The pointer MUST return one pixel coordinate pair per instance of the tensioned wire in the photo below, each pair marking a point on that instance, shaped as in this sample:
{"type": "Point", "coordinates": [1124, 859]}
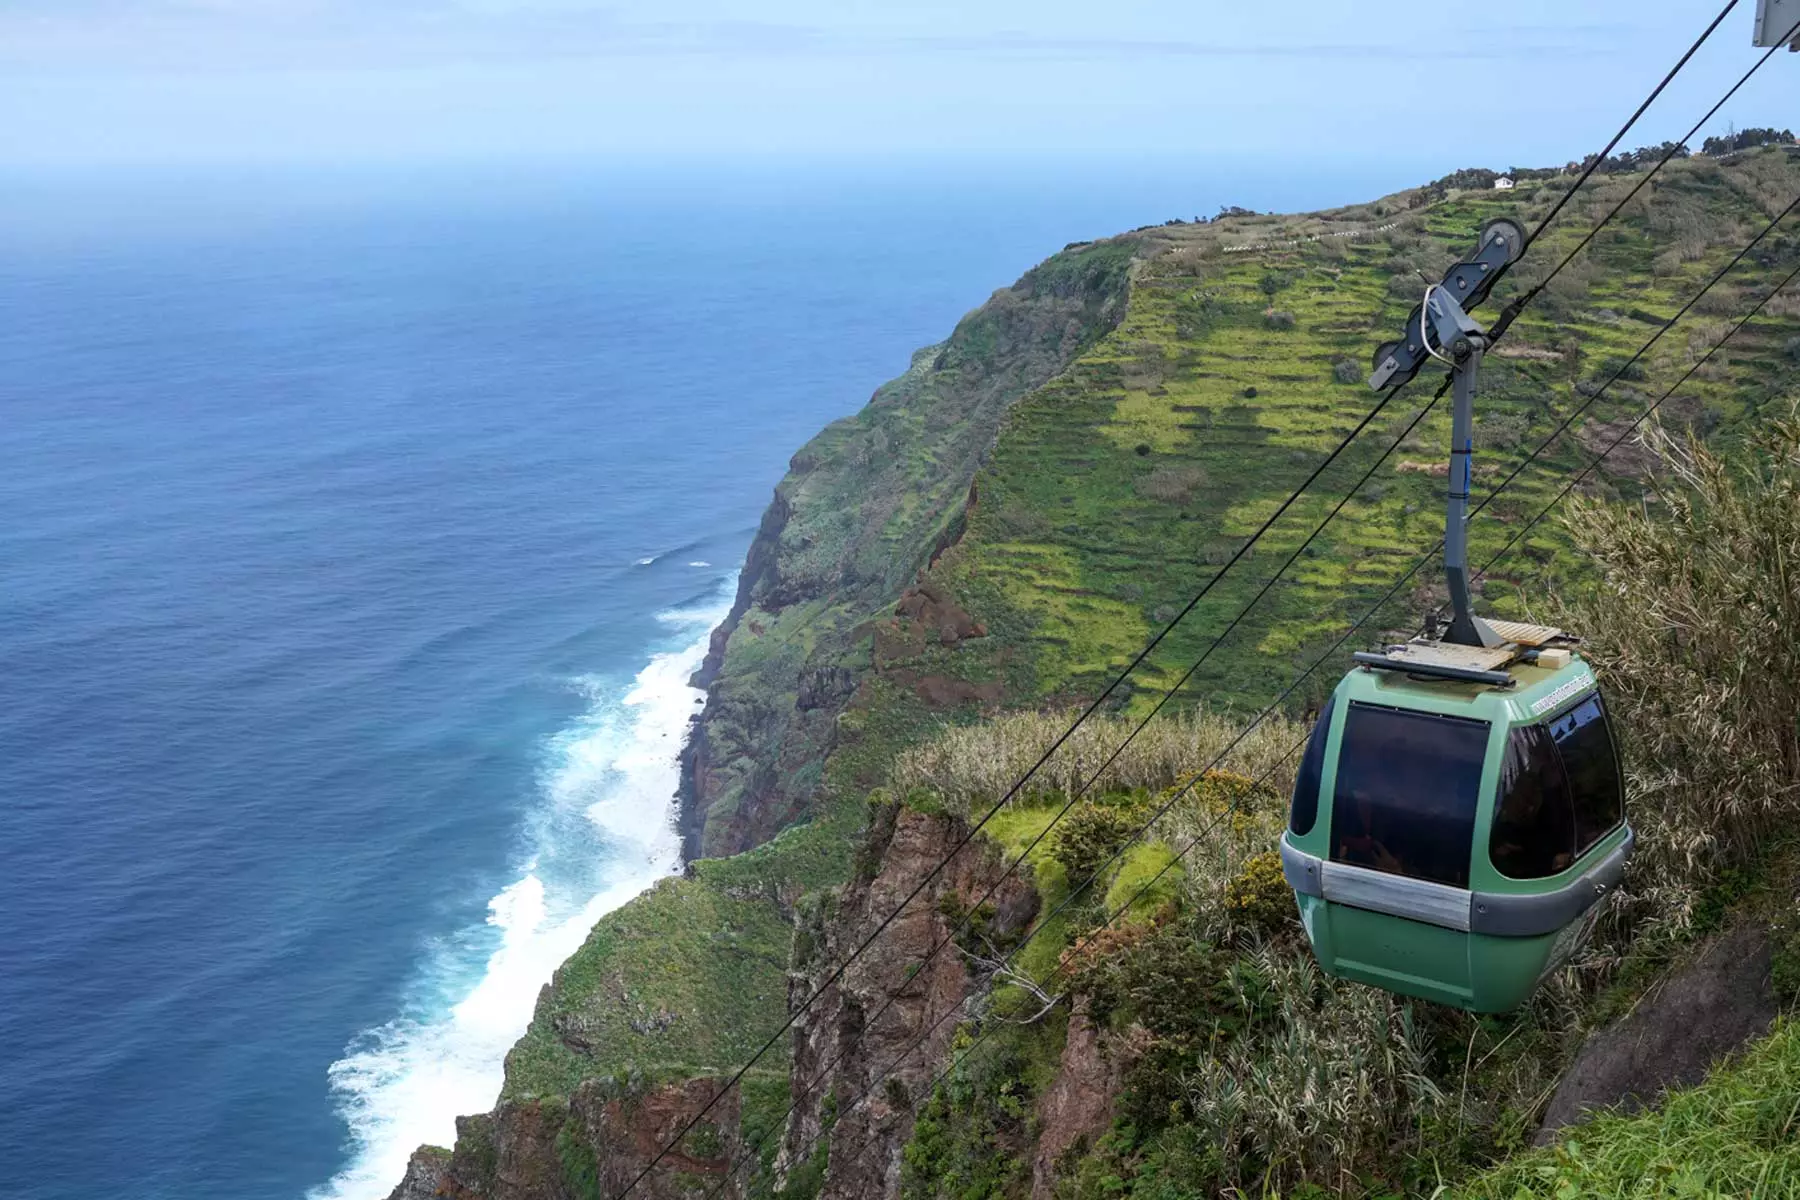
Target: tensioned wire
{"type": "Point", "coordinates": [881, 927]}
{"type": "Point", "coordinates": [1511, 312]}
{"type": "Point", "coordinates": [1194, 841]}
{"type": "Point", "coordinates": [1076, 795]}
{"type": "Point", "coordinates": [1638, 421]}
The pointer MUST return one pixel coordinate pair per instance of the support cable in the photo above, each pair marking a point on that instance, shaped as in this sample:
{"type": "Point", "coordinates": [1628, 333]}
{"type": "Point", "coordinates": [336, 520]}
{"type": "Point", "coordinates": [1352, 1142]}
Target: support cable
{"type": "Point", "coordinates": [1262, 716]}
{"type": "Point", "coordinates": [882, 926]}
{"type": "Point", "coordinates": [1076, 795]}
{"type": "Point", "coordinates": [1078, 792]}
{"type": "Point", "coordinates": [1638, 421]}
{"type": "Point", "coordinates": [1511, 312]}
{"type": "Point", "coordinates": [893, 1064]}
{"type": "Point", "coordinates": [1599, 158]}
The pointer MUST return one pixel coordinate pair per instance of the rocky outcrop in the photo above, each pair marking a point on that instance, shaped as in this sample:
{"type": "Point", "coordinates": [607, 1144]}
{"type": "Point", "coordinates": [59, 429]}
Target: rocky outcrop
{"type": "Point", "coordinates": [860, 1063]}
{"type": "Point", "coordinates": [864, 507]}
{"type": "Point", "coordinates": [596, 1144]}
{"type": "Point", "coordinates": [1712, 1006]}
{"type": "Point", "coordinates": [427, 1175]}
{"type": "Point", "coordinates": [1078, 1107]}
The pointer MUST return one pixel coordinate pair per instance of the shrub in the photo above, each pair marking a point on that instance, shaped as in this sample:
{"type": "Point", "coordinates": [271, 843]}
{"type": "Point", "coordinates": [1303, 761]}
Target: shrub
{"type": "Point", "coordinates": [1328, 1085]}
{"type": "Point", "coordinates": [1623, 368]}
{"type": "Point", "coordinates": [1259, 896]}
{"type": "Point", "coordinates": [1273, 282]}
{"type": "Point", "coordinates": [1346, 370]}
{"type": "Point", "coordinates": [1089, 836]}
{"type": "Point", "coordinates": [1278, 319]}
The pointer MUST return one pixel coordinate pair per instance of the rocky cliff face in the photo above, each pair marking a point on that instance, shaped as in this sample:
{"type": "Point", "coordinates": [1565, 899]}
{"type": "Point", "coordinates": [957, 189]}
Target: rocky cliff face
{"type": "Point", "coordinates": [845, 1089]}
{"type": "Point", "coordinates": [593, 1145]}
{"type": "Point", "coordinates": [860, 1062]}
{"type": "Point", "coordinates": [864, 506]}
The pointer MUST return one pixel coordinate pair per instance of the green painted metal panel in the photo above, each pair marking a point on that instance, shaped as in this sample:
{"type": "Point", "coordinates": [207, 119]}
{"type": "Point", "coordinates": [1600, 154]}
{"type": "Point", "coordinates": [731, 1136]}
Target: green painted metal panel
{"type": "Point", "coordinates": [1471, 971]}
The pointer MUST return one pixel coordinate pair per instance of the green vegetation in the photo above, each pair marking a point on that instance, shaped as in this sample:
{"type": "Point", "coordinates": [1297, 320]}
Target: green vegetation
{"type": "Point", "coordinates": [1695, 632]}
{"type": "Point", "coordinates": [671, 984]}
{"type": "Point", "coordinates": [1080, 547]}
{"type": "Point", "coordinates": [1247, 1071]}
{"type": "Point", "coordinates": [863, 508]}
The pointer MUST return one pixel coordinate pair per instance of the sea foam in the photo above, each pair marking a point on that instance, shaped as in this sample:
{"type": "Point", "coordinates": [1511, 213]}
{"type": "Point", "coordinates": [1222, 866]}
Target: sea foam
{"type": "Point", "coordinates": [602, 829]}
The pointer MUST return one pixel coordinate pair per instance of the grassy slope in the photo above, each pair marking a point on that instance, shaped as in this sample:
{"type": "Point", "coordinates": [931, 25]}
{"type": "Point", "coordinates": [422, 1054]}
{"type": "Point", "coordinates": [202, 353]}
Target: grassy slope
{"type": "Point", "coordinates": [687, 979]}
{"type": "Point", "coordinates": [1737, 1134]}
{"type": "Point", "coordinates": [864, 505]}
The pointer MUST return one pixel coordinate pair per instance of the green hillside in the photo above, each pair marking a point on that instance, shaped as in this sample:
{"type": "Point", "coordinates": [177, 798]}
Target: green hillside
{"type": "Point", "coordinates": [1003, 528]}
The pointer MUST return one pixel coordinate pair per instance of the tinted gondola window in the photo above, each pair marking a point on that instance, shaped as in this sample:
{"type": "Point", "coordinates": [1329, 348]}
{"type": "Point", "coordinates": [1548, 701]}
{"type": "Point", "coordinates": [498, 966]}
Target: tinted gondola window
{"type": "Point", "coordinates": [1305, 809]}
{"type": "Point", "coordinates": [1407, 785]}
{"type": "Point", "coordinates": [1534, 821]}
{"type": "Point", "coordinates": [1592, 764]}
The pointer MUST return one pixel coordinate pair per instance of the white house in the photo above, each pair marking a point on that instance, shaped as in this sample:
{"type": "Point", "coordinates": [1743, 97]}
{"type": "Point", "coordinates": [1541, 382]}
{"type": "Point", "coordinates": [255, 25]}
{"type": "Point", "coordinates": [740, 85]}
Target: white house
{"type": "Point", "coordinates": [1503, 184]}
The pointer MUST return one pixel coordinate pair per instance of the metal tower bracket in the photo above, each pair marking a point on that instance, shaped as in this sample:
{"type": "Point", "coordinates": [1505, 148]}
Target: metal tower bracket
{"type": "Point", "coordinates": [1500, 244]}
{"type": "Point", "coordinates": [1775, 23]}
{"type": "Point", "coordinates": [1441, 329]}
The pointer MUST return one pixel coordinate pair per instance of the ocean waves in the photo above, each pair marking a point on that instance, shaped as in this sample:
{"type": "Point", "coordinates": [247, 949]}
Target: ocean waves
{"type": "Point", "coordinates": [599, 830]}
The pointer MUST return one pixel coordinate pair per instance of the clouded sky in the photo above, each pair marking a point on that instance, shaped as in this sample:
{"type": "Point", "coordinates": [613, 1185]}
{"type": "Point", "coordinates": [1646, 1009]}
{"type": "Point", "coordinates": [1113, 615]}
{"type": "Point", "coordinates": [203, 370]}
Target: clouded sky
{"type": "Point", "coordinates": [1533, 81]}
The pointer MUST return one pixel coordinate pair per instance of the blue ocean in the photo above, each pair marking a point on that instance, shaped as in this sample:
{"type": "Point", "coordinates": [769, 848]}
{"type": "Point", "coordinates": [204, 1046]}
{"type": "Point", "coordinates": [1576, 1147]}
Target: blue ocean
{"type": "Point", "coordinates": [359, 530]}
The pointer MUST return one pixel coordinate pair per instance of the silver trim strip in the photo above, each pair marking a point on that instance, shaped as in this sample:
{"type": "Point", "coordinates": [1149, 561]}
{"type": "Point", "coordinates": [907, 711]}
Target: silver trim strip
{"type": "Point", "coordinates": [1527, 916]}
{"type": "Point", "coordinates": [1488, 913]}
{"type": "Point", "coordinates": [1397, 896]}
{"type": "Point", "coordinates": [1301, 869]}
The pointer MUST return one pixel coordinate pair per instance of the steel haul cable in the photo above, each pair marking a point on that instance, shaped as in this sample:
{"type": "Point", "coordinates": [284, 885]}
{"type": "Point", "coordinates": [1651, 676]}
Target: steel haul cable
{"type": "Point", "coordinates": [1077, 793]}
{"type": "Point", "coordinates": [975, 829]}
{"type": "Point", "coordinates": [1148, 825]}
{"type": "Point", "coordinates": [1094, 706]}
{"type": "Point", "coordinates": [1145, 888]}
{"type": "Point", "coordinates": [1511, 312]}
{"type": "Point", "coordinates": [1631, 428]}
{"type": "Point", "coordinates": [1610, 146]}
{"type": "Point", "coordinates": [884, 1072]}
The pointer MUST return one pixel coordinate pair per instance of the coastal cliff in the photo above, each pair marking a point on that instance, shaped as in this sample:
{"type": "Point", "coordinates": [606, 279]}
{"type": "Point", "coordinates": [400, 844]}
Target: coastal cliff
{"type": "Point", "coordinates": [865, 505]}
{"type": "Point", "coordinates": [998, 531]}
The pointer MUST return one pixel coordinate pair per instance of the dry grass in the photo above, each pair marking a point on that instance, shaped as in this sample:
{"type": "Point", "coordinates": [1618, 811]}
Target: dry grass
{"type": "Point", "coordinates": [1696, 636]}
{"type": "Point", "coordinates": [1172, 484]}
{"type": "Point", "coordinates": [966, 765]}
{"type": "Point", "coordinates": [1342, 1077]}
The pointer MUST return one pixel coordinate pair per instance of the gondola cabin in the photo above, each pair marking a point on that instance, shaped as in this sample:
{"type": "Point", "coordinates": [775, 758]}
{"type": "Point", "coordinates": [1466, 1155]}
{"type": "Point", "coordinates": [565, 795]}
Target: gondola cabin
{"type": "Point", "coordinates": [1458, 819]}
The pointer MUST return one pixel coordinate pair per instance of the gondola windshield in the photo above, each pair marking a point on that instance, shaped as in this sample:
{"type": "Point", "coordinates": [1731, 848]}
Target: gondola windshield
{"type": "Point", "coordinates": [1407, 787]}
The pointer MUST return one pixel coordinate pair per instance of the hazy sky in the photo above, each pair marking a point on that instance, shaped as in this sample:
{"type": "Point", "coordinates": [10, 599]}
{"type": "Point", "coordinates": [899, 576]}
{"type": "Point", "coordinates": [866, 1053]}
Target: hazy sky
{"type": "Point", "coordinates": [1533, 81]}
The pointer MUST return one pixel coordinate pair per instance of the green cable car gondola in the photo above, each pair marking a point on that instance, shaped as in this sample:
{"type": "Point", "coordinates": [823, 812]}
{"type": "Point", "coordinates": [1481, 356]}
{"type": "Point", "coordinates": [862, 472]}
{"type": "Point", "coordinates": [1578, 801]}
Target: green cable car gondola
{"type": "Point", "coordinates": [1452, 839]}
{"type": "Point", "coordinates": [1459, 812]}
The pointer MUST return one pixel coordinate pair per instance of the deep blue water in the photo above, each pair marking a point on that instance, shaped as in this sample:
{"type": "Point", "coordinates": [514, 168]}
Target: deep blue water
{"type": "Point", "coordinates": [357, 533]}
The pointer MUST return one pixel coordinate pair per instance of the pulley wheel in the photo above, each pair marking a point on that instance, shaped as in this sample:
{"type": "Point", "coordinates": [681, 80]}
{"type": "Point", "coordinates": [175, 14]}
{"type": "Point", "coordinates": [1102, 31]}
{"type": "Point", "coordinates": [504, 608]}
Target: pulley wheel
{"type": "Point", "coordinates": [1508, 229]}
